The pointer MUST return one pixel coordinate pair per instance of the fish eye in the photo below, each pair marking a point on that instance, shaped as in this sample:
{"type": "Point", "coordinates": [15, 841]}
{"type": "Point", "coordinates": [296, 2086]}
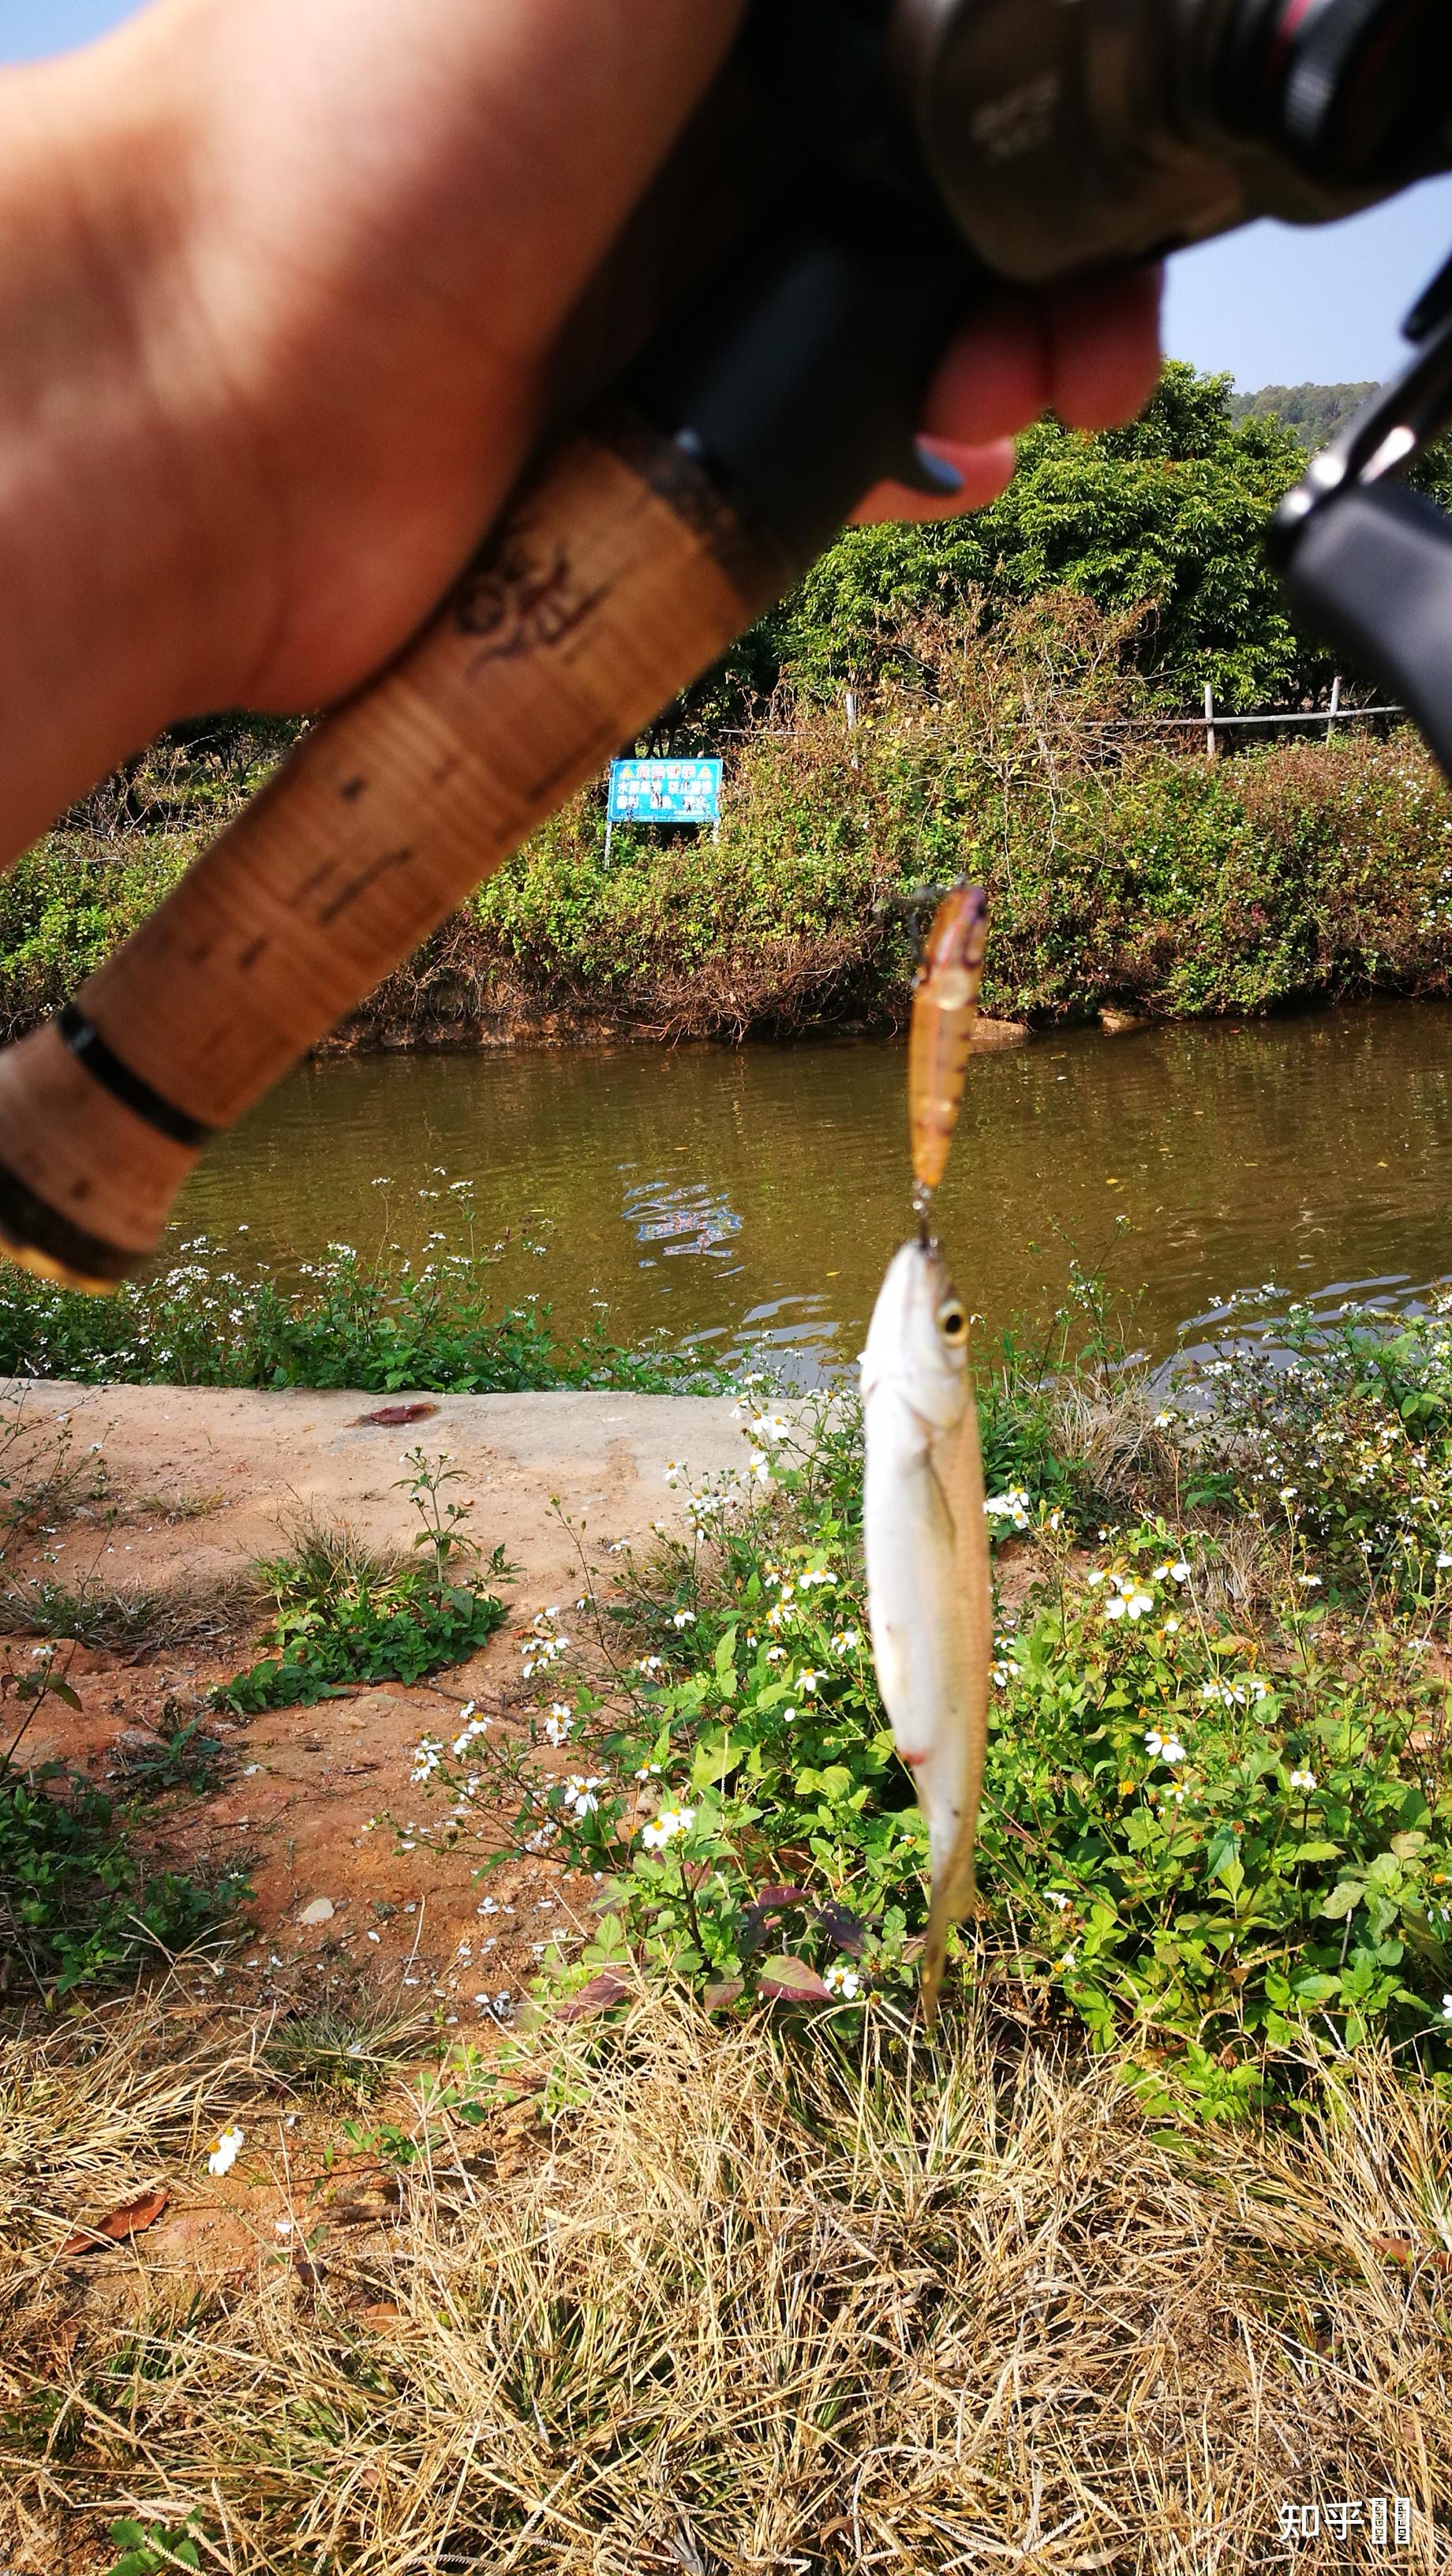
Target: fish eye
{"type": "Point", "coordinates": [953, 1321]}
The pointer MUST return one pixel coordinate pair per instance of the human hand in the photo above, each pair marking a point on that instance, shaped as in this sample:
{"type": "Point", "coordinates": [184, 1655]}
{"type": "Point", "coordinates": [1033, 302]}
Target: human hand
{"type": "Point", "coordinates": [303, 264]}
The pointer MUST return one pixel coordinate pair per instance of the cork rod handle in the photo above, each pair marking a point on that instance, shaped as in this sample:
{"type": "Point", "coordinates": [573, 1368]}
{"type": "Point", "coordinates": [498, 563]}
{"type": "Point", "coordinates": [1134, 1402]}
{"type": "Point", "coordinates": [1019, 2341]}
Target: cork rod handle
{"type": "Point", "coordinates": [617, 574]}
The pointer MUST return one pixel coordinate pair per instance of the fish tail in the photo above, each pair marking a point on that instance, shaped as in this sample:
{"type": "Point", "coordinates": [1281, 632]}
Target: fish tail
{"type": "Point", "coordinates": [954, 1897]}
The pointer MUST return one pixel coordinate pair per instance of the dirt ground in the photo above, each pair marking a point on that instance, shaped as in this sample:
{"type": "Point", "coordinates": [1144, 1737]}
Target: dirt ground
{"type": "Point", "coordinates": [196, 1484]}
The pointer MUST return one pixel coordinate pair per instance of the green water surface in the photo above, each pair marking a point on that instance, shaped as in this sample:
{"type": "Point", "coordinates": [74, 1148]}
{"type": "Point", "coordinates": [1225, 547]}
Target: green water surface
{"type": "Point", "coordinates": [755, 1195]}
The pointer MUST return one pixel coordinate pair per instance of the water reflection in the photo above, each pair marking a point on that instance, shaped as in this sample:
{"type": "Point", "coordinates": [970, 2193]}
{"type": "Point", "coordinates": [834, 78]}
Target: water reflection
{"type": "Point", "coordinates": [694, 1218]}
{"type": "Point", "coordinates": [754, 1196]}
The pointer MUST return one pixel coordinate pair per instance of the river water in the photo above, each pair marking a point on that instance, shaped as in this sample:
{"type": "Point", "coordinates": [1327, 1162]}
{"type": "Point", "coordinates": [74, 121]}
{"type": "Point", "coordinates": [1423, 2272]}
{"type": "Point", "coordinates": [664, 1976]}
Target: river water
{"type": "Point", "coordinates": [752, 1196]}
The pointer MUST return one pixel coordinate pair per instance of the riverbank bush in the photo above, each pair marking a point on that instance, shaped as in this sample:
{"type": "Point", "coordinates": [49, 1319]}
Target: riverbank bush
{"type": "Point", "coordinates": [1123, 871]}
{"type": "Point", "coordinates": [375, 1325]}
{"type": "Point", "coordinates": [73, 898]}
{"type": "Point", "coordinates": [1120, 873]}
{"type": "Point", "coordinates": [1216, 1817]}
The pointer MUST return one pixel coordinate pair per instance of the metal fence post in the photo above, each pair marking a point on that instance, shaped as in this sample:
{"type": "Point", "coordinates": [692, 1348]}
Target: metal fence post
{"type": "Point", "coordinates": [1335, 706]}
{"type": "Point", "coordinates": [1209, 721]}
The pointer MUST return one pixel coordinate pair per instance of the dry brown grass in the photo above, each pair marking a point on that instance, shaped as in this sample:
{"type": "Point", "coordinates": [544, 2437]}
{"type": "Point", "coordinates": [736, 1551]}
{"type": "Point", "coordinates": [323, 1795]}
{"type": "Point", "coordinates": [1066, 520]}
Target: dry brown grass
{"type": "Point", "coordinates": [737, 2311]}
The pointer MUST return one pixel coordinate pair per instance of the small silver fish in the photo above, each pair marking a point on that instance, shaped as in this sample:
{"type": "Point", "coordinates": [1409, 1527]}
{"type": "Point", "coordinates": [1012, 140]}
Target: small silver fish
{"type": "Point", "coordinates": [929, 1588]}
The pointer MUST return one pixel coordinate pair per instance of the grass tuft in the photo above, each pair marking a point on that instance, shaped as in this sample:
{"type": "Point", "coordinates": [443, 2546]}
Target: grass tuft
{"type": "Point", "coordinates": [125, 1618]}
{"type": "Point", "coordinates": [354, 2051]}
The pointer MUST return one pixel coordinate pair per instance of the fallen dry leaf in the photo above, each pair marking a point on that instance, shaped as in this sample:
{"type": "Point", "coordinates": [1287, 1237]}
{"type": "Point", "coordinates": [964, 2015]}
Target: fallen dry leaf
{"type": "Point", "coordinates": [598, 1996]}
{"type": "Point", "coordinates": [370, 2209]}
{"type": "Point", "coordinates": [389, 1416]}
{"type": "Point", "coordinates": [307, 2269]}
{"type": "Point", "coordinates": [128, 2220]}
{"type": "Point", "coordinates": [1400, 2249]}
{"type": "Point", "coordinates": [785, 1980]}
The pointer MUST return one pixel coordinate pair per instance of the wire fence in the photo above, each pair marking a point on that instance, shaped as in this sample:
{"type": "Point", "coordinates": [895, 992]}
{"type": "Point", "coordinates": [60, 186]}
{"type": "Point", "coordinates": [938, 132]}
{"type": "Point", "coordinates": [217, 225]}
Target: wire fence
{"type": "Point", "coordinates": [1212, 723]}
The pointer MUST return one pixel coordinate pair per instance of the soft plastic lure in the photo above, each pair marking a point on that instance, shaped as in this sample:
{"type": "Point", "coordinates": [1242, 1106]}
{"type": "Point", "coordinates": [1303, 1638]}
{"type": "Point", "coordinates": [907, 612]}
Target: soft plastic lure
{"type": "Point", "coordinates": [945, 1005]}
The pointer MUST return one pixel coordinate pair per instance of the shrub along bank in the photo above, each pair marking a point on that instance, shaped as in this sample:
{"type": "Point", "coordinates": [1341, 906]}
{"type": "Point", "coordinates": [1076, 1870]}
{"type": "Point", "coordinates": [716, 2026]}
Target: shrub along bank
{"type": "Point", "coordinates": [1123, 871]}
{"type": "Point", "coordinates": [377, 1325]}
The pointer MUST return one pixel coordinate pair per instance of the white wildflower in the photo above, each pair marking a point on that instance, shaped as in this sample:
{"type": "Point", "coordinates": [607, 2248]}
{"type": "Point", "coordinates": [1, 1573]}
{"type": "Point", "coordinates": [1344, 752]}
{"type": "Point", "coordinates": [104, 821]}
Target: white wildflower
{"type": "Point", "coordinates": [580, 1794]}
{"type": "Point", "coordinates": [668, 1824]}
{"type": "Point", "coordinates": [225, 2149]}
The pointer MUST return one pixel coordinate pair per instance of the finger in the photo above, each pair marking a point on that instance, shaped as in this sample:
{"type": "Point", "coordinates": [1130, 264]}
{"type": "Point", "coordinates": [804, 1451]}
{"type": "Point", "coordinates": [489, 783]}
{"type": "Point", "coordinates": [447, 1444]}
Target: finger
{"type": "Point", "coordinates": [982, 472]}
{"type": "Point", "coordinates": [994, 377]}
{"type": "Point", "coordinates": [1104, 347]}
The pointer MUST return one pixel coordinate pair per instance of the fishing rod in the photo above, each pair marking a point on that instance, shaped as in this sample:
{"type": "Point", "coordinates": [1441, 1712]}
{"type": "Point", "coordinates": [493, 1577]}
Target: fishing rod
{"type": "Point", "coordinates": [911, 158]}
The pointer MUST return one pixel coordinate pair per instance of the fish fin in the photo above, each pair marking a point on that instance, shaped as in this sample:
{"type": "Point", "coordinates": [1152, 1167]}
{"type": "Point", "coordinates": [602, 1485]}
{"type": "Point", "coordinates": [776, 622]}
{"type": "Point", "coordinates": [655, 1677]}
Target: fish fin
{"type": "Point", "coordinates": [958, 1471]}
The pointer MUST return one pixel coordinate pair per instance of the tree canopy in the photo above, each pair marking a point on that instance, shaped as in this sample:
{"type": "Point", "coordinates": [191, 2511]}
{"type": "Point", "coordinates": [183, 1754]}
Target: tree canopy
{"type": "Point", "coordinates": [1166, 514]}
{"type": "Point", "coordinates": [1314, 412]}
{"type": "Point", "coordinates": [1165, 518]}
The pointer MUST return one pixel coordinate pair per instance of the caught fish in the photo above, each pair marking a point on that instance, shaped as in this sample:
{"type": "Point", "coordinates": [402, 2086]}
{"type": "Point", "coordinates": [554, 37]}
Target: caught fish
{"type": "Point", "coordinates": [945, 1005]}
{"type": "Point", "coordinates": [929, 1589]}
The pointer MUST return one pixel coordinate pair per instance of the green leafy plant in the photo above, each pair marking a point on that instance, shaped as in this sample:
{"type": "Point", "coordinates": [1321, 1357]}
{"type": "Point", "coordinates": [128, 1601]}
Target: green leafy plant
{"type": "Point", "coordinates": [76, 1906]}
{"type": "Point", "coordinates": [1218, 1840]}
{"type": "Point", "coordinates": [378, 1326]}
{"type": "Point", "coordinates": [345, 1614]}
{"type": "Point", "coordinates": [184, 1756]}
{"type": "Point", "coordinates": [1336, 1434]}
{"type": "Point", "coordinates": [149, 2549]}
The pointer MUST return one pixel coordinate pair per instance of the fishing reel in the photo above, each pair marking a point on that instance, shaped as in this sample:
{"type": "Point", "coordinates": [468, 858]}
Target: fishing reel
{"type": "Point", "coordinates": [902, 161]}
{"type": "Point", "coordinates": [1059, 137]}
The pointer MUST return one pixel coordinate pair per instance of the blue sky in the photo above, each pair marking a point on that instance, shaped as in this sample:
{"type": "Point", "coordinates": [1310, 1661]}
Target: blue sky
{"type": "Point", "coordinates": [1274, 305]}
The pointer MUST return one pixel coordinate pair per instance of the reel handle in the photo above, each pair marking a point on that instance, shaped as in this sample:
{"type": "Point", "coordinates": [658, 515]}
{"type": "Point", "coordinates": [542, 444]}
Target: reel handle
{"type": "Point", "coordinates": [617, 574]}
{"type": "Point", "coordinates": [629, 559]}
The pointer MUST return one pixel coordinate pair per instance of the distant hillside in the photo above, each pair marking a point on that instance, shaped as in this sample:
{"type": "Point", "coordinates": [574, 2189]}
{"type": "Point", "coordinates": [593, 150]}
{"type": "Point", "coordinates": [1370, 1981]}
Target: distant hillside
{"type": "Point", "coordinates": [1313, 413]}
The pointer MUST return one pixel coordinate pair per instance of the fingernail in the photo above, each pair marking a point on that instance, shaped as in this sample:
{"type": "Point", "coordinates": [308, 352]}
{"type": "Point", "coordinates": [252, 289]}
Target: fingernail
{"type": "Point", "coordinates": [943, 475]}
